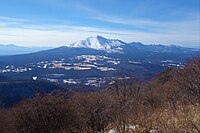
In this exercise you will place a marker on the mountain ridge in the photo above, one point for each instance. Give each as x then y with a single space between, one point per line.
116 45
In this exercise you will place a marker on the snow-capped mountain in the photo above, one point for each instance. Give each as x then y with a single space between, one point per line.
99 43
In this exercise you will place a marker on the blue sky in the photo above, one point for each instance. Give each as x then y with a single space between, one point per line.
58 22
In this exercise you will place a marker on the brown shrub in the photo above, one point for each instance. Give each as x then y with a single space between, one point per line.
43 114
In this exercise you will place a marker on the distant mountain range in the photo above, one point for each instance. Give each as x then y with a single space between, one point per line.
12 49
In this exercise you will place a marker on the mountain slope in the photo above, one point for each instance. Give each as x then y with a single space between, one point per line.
60 52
